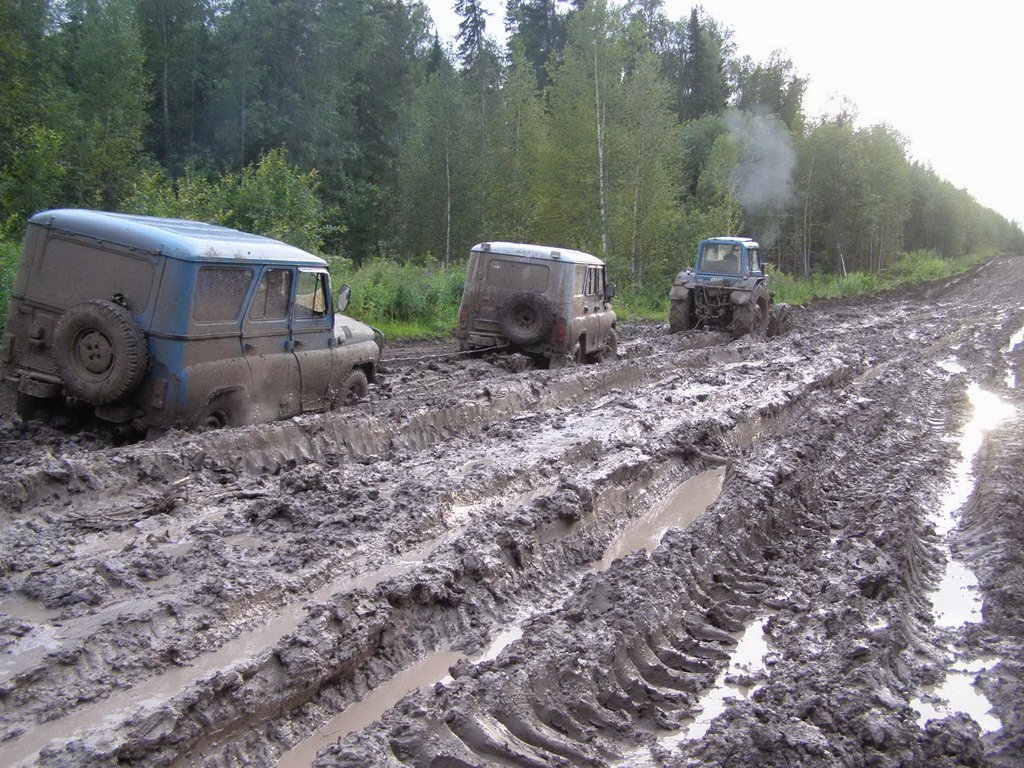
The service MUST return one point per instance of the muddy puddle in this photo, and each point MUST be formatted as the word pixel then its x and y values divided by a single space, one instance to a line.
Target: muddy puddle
pixel 158 689
pixel 958 693
pixel 430 670
pixel 680 507
pixel 1011 367
pixel 956 600
pixel 677 510
pixel 427 671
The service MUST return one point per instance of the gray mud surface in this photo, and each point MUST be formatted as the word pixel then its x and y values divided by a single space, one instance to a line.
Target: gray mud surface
pixel 806 551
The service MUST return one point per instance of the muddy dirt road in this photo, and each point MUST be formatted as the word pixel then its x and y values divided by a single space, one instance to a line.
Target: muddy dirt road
pixel 801 551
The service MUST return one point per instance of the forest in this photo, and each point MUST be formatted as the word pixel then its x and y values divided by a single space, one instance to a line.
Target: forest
pixel 349 128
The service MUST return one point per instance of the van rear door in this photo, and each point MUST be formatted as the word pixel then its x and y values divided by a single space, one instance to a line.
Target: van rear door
pixel 498 278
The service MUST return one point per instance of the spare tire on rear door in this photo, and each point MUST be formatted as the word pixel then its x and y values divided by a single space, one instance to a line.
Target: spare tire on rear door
pixel 526 317
pixel 100 352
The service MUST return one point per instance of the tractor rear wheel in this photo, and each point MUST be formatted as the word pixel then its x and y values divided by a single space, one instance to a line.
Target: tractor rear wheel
pixel 680 314
pixel 751 318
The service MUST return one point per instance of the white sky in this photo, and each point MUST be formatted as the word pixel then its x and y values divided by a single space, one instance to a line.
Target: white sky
pixel 948 76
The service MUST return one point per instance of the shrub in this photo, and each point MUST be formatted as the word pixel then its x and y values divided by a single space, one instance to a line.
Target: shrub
pixel 9 253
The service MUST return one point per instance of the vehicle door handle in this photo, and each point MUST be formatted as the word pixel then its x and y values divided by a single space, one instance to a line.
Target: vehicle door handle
pixel 248 347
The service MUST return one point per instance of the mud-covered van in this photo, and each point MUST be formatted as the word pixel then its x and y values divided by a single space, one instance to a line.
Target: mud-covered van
pixel 551 303
pixel 155 323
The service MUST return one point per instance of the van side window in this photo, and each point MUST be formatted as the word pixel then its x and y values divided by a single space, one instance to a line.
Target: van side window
pixel 310 293
pixel 580 279
pixel 755 260
pixel 272 295
pixel 593 287
pixel 220 292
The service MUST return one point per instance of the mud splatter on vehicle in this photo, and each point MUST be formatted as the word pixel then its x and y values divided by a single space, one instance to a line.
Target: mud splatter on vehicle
pixel 485 567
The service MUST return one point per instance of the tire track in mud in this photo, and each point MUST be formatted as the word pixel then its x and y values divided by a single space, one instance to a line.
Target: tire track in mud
pixel 666 422
pixel 827 375
pixel 631 651
pixel 176 621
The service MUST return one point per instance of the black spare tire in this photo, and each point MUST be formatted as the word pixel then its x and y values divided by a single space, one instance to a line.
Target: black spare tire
pixel 526 317
pixel 100 352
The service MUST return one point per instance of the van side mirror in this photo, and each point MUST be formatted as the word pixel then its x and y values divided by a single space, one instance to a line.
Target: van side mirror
pixel 609 291
pixel 344 296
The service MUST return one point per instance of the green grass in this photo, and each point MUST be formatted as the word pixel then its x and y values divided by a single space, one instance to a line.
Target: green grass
pixel 404 301
pixel 915 267
pixel 9 253
pixel 417 302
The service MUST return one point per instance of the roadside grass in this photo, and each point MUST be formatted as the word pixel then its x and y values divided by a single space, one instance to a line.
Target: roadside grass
pixel 918 266
pixel 422 302
pixel 9 252
pixel 402 300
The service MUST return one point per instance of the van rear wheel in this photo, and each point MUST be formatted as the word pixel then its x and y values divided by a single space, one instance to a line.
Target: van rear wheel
pixel 220 411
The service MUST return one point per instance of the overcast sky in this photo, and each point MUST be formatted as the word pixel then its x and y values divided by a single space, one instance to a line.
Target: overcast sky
pixel 948 76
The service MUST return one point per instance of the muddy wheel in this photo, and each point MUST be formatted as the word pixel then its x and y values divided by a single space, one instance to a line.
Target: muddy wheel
pixel 100 352
pixel 609 349
pixel 526 318
pixel 220 411
pixel 751 318
pixel 778 320
pixel 354 389
pixel 680 314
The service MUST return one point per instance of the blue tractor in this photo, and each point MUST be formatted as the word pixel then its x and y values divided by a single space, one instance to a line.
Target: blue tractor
pixel 727 289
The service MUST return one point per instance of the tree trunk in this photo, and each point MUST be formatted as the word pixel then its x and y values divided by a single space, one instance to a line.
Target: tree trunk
pixel 447 199
pixel 600 156
pixel 634 255
pixel 164 97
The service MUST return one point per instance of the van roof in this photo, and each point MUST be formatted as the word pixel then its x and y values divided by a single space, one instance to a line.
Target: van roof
pixel 741 240
pixel 548 252
pixel 175 238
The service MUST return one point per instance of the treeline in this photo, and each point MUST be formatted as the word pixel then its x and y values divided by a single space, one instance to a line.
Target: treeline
pixel 345 126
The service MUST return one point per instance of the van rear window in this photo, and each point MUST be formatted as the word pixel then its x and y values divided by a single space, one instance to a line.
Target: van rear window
pixel 220 292
pixel 517 276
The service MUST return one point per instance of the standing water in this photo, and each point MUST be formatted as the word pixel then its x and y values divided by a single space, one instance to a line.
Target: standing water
pixel 956 601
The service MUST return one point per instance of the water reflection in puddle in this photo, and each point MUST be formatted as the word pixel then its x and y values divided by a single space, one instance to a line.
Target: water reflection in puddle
pixel 747 660
pixel 370 708
pixel 956 601
pixel 680 508
pixel 1011 369
pixel 156 690
pixel 957 693
pixel 431 669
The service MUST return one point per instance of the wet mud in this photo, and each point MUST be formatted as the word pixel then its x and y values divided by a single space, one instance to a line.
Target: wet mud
pixel 799 551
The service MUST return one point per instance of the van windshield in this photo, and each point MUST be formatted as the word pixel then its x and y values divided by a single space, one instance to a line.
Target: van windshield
pixel 723 258
pixel 505 275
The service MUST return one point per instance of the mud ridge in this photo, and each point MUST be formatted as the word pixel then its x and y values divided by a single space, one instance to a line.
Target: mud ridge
pixel 548 701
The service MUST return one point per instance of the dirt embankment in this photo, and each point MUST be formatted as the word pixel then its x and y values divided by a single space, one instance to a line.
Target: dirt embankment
pixel 469 569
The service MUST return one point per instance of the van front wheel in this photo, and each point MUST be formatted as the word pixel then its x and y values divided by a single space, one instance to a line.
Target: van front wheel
pixel 355 388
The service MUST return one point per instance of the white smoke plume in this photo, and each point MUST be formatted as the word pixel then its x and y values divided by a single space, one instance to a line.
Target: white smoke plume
pixel 763 178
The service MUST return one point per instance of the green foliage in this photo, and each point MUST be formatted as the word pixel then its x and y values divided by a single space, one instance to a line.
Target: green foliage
pixel 915 267
pixel 271 198
pixel 604 127
pixel 402 299
pixel 9 253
